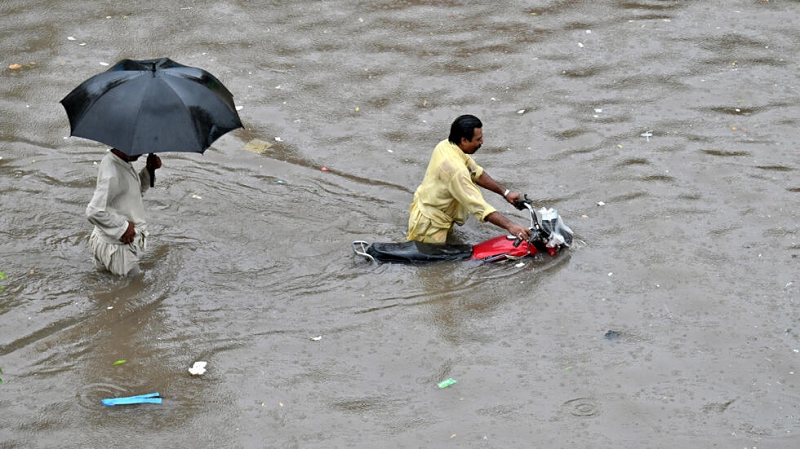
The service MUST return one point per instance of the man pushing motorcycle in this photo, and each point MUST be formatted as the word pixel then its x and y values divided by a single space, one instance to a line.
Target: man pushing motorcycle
pixel 450 191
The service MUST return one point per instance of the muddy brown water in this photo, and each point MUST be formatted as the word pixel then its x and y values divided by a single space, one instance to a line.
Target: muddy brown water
pixel 692 260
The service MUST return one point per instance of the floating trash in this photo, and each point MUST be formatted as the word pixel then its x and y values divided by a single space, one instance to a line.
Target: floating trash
pixel 150 398
pixel 198 369
pixel 612 335
pixel 257 146
pixel 446 383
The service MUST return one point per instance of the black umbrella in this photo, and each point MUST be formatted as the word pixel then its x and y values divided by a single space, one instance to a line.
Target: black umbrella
pixel 152 106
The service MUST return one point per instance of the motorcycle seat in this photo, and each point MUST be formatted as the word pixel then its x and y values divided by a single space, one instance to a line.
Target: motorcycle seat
pixel 417 252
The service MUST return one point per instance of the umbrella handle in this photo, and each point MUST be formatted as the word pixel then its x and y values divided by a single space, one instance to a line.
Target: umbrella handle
pixel 152 172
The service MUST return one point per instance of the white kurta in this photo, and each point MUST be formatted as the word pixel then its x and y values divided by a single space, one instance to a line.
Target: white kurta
pixel 117 200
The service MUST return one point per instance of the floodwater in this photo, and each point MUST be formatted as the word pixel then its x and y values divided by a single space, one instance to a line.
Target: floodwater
pixel 691 261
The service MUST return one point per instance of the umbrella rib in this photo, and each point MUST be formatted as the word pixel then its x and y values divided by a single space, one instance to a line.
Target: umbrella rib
pixel 186 107
pixel 120 79
pixel 136 120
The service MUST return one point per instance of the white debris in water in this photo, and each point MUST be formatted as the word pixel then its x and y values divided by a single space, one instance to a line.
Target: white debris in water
pixel 197 197
pixel 521 111
pixel 317 338
pixel 520 265
pixel 647 135
pixel 70 38
pixel 610 274
pixel 580 45
pixel 588 31
pixel 103 63
pixel 279 139
pixel 198 369
pixel 239 108
pixel 600 203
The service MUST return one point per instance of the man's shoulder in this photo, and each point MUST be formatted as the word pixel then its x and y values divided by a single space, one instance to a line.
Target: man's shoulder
pixel 445 145
pixel 111 164
pixel 113 159
pixel 448 151
pixel 109 157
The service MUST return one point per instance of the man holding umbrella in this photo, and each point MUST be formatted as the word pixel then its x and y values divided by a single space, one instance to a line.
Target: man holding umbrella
pixel 117 212
pixel 139 107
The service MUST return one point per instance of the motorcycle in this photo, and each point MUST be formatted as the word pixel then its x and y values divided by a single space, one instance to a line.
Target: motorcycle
pixel 548 234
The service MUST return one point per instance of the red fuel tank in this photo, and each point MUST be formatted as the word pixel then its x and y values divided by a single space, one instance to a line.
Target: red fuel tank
pixel 501 246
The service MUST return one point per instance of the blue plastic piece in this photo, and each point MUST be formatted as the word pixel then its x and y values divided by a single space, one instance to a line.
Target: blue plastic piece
pixel 150 398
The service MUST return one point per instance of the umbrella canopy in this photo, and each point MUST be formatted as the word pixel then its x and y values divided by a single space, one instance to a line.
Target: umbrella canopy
pixel 152 106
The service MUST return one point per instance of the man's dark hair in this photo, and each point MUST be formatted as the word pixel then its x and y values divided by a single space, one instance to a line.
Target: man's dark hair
pixel 464 126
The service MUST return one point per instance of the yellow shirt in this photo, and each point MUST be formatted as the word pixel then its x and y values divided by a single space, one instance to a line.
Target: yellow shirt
pixel 447 194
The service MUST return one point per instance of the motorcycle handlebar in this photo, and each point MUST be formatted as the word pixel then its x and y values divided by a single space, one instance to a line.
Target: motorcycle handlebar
pixel 520 203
